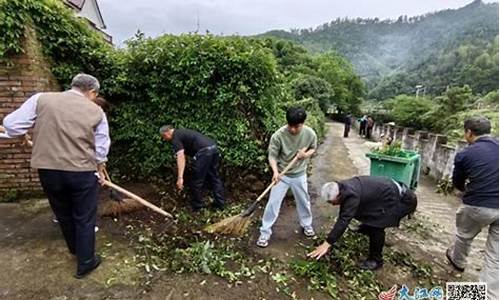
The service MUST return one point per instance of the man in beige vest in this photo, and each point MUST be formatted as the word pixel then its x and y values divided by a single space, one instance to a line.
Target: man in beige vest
pixel 70 143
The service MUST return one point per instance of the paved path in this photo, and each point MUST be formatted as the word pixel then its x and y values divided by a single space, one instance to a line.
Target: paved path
pixel 435 210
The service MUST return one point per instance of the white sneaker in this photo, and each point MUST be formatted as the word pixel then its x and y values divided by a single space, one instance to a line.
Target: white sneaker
pixel 262 242
pixel 309 231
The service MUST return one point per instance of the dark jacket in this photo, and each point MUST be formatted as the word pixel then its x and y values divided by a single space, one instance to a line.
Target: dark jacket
pixel 348 120
pixel 478 163
pixel 372 200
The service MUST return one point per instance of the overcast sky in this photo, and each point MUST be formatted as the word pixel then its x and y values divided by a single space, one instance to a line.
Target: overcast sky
pixel 246 17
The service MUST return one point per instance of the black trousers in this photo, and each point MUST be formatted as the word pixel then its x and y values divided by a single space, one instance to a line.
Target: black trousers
pixel 377 239
pixel 73 198
pixel 362 129
pixel 206 165
pixel 347 128
pixel 369 132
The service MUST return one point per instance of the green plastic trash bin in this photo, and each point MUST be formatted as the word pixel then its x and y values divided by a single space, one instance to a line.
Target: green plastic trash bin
pixel 404 169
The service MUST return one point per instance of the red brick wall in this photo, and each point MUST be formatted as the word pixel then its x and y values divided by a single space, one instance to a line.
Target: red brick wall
pixel 23 76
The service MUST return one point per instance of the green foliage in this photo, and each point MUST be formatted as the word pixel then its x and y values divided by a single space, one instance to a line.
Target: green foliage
pixel 394 149
pixel 320 275
pixel 227 88
pixel 339 267
pixel 443 114
pixel 185 81
pixel 473 63
pixel 409 111
pixel 9 196
pixel 312 86
pixel 203 257
pixel 328 78
pixel 448 47
pixel 347 86
pixel 454 128
pixel 67 40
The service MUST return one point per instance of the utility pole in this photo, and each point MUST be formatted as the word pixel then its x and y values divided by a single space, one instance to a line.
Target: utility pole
pixel 197 20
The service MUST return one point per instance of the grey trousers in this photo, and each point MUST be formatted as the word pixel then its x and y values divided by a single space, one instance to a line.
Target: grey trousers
pixel 278 192
pixel 470 221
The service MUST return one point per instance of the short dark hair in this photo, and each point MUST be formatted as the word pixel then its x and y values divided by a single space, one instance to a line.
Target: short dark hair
pixel 296 115
pixel 102 103
pixel 478 125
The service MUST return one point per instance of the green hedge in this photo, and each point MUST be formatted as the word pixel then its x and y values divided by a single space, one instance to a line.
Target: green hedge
pixel 69 43
pixel 229 88
pixel 226 88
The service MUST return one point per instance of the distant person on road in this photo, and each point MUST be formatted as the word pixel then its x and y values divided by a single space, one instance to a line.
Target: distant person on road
pixel 369 126
pixel 293 139
pixel 362 126
pixel 377 202
pixel 347 125
pixel 206 158
pixel 476 175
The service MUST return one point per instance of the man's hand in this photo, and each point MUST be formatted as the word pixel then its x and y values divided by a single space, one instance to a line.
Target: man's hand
pixel 102 176
pixel 27 141
pixel 320 250
pixel 302 154
pixel 180 183
pixel 2 129
pixel 276 177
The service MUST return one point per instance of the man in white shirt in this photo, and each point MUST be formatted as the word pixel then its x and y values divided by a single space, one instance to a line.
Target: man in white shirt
pixel 70 143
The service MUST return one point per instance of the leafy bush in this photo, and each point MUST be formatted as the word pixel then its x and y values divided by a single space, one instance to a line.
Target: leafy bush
pixel 66 40
pixel 443 114
pixel 226 88
pixel 231 89
pixel 409 111
pixel 312 86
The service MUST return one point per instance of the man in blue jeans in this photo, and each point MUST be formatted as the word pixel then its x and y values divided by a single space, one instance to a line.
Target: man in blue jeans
pixel 292 140
pixel 206 163
pixel 476 175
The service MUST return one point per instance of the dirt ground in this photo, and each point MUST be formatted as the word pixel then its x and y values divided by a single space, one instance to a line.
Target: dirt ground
pixel 35 263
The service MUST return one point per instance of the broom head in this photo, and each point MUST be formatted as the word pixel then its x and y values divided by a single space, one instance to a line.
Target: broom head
pixel 235 225
pixel 114 208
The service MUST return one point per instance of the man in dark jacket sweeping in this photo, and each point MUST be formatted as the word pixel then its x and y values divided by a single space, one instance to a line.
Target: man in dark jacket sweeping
pixel 206 158
pixel 377 202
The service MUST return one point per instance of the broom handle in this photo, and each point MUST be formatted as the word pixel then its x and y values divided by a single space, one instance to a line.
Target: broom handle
pixel 294 160
pixel 137 198
pixel 106 175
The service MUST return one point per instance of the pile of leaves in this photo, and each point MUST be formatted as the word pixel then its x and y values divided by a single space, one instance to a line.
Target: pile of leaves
pixel 394 150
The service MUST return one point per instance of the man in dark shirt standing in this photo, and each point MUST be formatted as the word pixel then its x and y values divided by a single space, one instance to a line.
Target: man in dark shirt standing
pixel 347 125
pixel 476 175
pixel 206 162
pixel 377 202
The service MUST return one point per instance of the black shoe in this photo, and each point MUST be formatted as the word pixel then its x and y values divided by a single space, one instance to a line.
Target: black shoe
pixel 448 256
pixel 371 265
pixel 88 268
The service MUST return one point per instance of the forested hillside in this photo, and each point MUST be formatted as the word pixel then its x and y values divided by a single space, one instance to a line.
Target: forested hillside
pixel 449 47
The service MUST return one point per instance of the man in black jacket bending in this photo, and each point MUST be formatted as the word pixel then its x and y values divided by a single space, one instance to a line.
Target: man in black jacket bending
pixel 377 202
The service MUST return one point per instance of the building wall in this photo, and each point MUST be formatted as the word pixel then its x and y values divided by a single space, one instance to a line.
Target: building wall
pixel 90 12
pixel 23 76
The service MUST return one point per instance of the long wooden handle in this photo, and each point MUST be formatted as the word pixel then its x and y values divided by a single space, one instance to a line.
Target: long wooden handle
pixel 137 198
pixel 106 175
pixel 294 160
